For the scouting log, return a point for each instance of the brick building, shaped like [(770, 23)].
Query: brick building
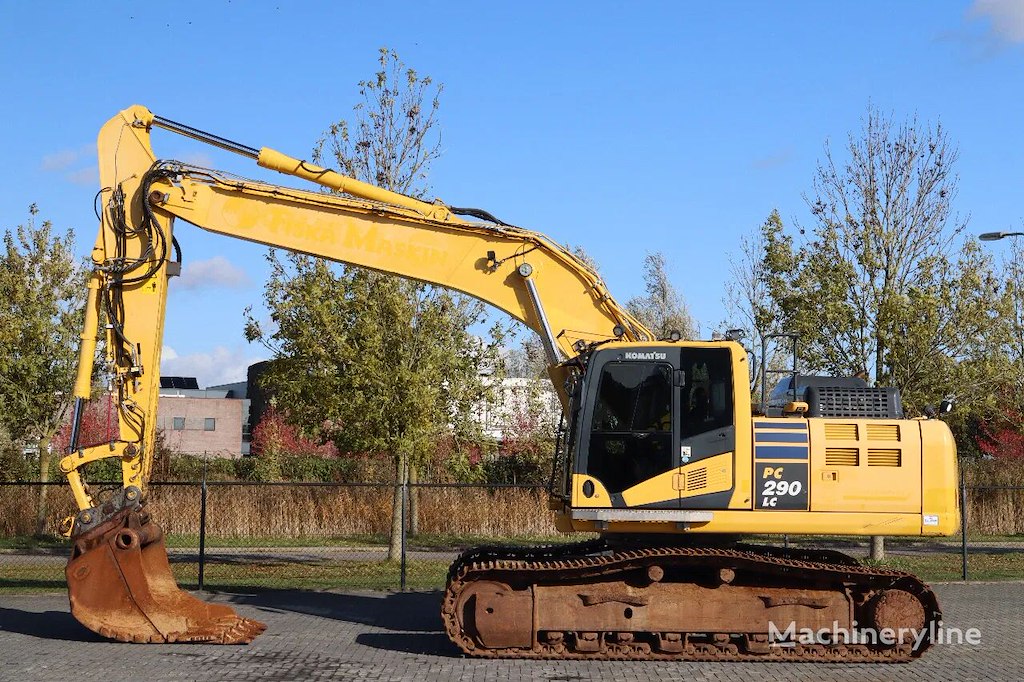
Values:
[(198, 421)]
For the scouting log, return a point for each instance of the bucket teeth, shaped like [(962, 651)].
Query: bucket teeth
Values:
[(121, 587)]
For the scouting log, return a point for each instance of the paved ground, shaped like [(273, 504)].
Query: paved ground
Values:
[(382, 636)]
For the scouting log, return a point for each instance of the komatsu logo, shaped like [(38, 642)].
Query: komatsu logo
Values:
[(634, 355)]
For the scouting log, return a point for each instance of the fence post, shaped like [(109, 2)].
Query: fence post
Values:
[(405, 497), (963, 524), (202, 529)]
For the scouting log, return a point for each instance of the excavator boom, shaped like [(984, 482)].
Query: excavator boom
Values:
[(119, 580)]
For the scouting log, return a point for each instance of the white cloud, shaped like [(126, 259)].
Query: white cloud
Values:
[(86, 176), (65, 161), (216, 272), (221, 365), (197, 159), (1005, 18), (61, 160), (773, 161)]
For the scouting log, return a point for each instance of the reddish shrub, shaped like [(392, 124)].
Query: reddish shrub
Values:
[(1002, 438), (275, 435)]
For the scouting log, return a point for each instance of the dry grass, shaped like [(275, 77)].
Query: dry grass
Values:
[(292, 511), (254, 511), (18, 504), (995, 512)]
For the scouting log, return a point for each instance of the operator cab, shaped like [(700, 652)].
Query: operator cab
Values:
[(646, 412)]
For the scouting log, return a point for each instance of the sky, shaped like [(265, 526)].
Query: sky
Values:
[(626, 128)]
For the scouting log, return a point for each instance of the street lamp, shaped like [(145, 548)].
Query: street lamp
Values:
[(994, 236)]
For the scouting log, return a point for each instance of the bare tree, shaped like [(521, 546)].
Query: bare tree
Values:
[(395, 138), (662, 308), (883, 219), (748, 301)]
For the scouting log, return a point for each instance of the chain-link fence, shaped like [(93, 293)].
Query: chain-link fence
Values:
[(238, 535)]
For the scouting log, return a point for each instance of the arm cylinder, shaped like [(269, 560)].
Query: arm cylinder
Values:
[(86, 355), (87, 351)]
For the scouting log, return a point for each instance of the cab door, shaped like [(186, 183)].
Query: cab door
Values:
[(629, 439), (707, 429)]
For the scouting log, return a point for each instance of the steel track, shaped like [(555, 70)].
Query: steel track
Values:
[(602, 559)]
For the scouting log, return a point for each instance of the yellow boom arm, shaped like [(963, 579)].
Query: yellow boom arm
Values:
[(521, 272)]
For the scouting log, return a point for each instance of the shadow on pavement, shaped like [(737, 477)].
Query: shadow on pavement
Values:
[(435, 644), (46, 625), (398, 611), (413, 618)]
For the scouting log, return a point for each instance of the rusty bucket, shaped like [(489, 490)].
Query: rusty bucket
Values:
[(120, 585)]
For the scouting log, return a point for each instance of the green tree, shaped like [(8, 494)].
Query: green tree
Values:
[(662, 308), (14, 466), (41, 286), (1013, 281), (376, 363), (878, 286), (1000, 432)]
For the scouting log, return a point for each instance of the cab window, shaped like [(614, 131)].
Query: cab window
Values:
[(631, 432), (707, 400)]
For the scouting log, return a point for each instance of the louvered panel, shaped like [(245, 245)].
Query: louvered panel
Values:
[(840, 431), (695, 480), (842, 457), (883, 432), (884, 458)]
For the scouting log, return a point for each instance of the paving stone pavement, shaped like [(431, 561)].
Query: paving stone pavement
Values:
[(397, 636)]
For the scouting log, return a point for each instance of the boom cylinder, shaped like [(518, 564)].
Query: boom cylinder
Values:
[(282, 163)]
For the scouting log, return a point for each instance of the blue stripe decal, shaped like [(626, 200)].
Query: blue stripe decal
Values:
[(780, 452), (802, 425), (766, 437)]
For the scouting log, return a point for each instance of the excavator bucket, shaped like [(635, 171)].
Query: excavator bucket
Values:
[(121, 587)]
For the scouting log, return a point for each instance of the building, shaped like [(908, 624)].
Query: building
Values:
[(197, 421), (514, 401), (218, 420)]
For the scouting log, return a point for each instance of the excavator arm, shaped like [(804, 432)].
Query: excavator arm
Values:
[(521, 272)]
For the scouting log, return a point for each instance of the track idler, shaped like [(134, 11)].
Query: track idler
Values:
[(121, 586)]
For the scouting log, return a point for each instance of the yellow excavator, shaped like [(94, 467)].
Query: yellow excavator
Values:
[(661, 454)]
